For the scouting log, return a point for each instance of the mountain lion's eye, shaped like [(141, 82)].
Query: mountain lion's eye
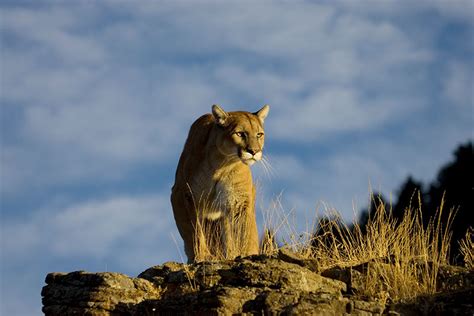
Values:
[(259, 135)]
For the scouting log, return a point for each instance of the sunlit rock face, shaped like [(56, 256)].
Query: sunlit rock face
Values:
[(283, 283)]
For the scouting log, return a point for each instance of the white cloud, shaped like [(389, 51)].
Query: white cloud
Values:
[(95, 230), (332, 110), (459, 85), (55, 30), (455, 9)]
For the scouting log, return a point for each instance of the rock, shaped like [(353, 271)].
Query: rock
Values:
[(372, 308), (94, 293), (287, 255), (304, 303), (352, 278), (262, 285), (169, 272), (452, 278), (277, 274), (451, 303)]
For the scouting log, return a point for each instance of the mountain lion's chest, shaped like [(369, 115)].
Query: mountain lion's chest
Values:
[(219, 192)]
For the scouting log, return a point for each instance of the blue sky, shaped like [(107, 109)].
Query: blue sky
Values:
[(97, 98)]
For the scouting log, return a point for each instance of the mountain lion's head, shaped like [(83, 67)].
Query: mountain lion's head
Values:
[(240, 134)]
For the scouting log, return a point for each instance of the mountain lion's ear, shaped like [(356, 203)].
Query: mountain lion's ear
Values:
[(219, 115), (263, 112)]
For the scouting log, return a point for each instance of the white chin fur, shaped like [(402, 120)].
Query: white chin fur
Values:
[(246, 156), (250, 159), (249, 162)]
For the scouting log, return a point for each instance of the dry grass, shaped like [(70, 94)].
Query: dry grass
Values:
[(467, 248), (217, 240), (404, 257), (213, 242)]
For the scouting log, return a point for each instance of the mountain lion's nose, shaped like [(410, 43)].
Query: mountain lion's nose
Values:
[(252, 151)]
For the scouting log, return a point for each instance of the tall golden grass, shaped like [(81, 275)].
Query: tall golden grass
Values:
[(219, 239), (403, 257)]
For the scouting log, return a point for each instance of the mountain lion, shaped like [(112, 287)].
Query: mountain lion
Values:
[(213, 197)]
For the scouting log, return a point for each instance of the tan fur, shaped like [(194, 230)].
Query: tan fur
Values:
[(213, 185)]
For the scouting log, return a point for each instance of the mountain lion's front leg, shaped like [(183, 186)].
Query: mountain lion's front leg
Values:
[(252, 232), (240, 235)]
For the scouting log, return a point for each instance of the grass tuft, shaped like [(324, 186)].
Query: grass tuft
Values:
[(219, 239), (403, 257)]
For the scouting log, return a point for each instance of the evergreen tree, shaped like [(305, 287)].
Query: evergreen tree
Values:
[(455, 181), (408, 197), (376, 200)]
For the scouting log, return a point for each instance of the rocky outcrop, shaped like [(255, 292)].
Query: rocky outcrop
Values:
[(83, 293), (283, 284)]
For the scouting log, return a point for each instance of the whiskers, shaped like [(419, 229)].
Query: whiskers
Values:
[(268, 170)]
